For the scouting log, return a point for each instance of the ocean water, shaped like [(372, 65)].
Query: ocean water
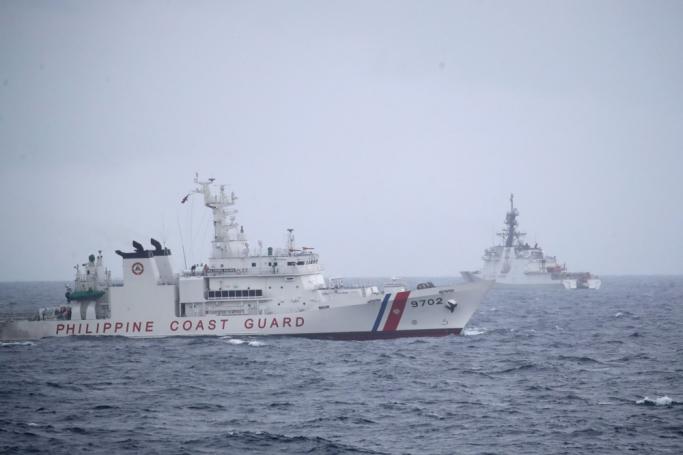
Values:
[(536, 372)]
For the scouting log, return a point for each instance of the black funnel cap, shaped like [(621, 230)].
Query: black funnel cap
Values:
[(138, 247), (156, 244)]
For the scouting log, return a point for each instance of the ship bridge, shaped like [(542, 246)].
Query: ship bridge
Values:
[(238, 280)]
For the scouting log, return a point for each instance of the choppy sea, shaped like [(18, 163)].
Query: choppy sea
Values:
[(537, 371)]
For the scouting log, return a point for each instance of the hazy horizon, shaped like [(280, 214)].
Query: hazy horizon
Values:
[(370, 278), (389, 135)]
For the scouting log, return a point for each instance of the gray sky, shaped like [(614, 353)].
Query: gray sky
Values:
[(388, 134)]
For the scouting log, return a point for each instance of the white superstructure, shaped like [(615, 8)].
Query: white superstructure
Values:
[(515, 262), (279, 291)]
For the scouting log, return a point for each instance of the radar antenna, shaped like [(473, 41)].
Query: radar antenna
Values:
[(229, 237), (510, 234)]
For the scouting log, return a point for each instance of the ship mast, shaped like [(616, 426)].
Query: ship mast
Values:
[(510, 233), (290, 241), (229, 238)]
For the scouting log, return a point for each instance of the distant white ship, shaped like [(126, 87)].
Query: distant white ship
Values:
[(238, 292), (515, 262)]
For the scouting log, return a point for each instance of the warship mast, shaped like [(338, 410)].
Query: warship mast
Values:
[(510, 233)]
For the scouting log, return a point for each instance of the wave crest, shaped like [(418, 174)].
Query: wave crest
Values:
[(16, 343), (474, 331), (657, 401)]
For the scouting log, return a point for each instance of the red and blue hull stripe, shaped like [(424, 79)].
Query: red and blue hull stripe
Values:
[(395, 312), (381, 312)]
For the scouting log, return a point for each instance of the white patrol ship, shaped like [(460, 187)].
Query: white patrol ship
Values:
[(237, 293), (514, 262)]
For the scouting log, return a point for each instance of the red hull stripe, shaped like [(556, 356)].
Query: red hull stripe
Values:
[(396, 311)]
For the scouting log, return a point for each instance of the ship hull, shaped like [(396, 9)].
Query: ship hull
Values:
[(528, 283), (503, 281), (367, 336), (431, 312)]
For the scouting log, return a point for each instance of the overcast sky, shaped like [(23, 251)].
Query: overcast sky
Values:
[(389, 134)]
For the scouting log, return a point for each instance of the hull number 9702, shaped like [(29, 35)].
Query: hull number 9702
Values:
[(423, 302)]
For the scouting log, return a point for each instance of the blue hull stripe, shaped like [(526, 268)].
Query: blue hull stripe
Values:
[(381, 312)]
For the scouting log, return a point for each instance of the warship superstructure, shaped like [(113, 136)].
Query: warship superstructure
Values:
[(238, 292), (514, 262)]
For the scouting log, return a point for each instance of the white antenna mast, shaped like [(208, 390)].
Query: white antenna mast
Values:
[(182, 243), (229, 238), (290, 240)]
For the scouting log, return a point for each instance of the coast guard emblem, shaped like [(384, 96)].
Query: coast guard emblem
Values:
[(137, 268)]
